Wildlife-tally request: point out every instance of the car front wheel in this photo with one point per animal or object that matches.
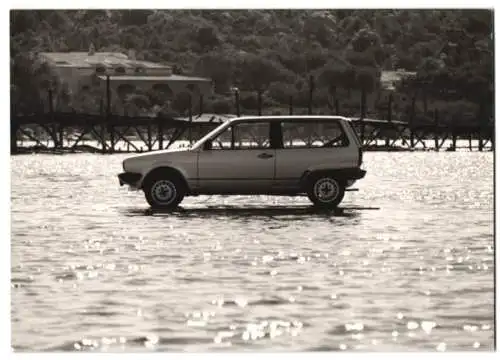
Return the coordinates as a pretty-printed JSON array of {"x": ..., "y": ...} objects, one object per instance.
[
  {"x": 164, "y": 192},
  {"x": 325, "y": 191}
]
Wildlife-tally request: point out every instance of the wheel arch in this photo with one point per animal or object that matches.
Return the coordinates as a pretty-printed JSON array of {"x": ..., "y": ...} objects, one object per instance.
[
  {"x": 342, "y": 175},
  {"x": 164, "y": 171}
]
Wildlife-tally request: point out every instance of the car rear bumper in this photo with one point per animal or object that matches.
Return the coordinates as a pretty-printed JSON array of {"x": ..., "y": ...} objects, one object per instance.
[{"x": 129, "y": 178}]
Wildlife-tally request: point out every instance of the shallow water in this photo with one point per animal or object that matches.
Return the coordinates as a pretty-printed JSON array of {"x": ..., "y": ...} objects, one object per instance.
[{"x": 407, "y": 266}]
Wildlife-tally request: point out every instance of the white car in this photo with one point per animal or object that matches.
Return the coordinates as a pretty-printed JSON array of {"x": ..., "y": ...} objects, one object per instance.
[{"x": 317, "y": 156}]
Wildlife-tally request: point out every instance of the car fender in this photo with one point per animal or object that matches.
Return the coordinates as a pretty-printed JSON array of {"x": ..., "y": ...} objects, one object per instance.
[{"x": 342, "y": 174}]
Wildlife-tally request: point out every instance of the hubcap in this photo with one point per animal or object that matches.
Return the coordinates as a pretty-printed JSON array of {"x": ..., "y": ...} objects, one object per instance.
[
  {"x": 163, "y": 192},
  {"x": 326, "y": 190}
]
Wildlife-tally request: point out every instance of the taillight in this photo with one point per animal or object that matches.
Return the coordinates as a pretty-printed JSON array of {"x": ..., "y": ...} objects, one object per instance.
[{"x": 360, "y": 158}]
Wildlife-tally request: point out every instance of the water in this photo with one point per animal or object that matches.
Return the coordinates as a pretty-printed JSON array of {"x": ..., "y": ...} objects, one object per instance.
[{"x": 408, "y": 266}]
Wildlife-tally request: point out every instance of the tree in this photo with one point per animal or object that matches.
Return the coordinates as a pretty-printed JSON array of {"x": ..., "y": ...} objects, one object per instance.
[
  {"x": 280, "y": 92},
  {"x": 181, "y": 102},
  {"x": 366, "y": 79},
  {"x": 256, "y": 73},
  {"x": 207, "y": 37},
  {"x": 30, "y": 82},
  {"x": 452, "y": 50},
  {"x": 133, "y": 17},
  {"x": 217, "y": 67},
  {"x": 90, "y": 100},
  {"x": 365, "y": 39},
  {"x": 335, "y": 75}
]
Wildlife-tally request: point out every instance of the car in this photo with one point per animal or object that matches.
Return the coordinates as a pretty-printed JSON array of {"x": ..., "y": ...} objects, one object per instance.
[{"x": 315, "y": 156}]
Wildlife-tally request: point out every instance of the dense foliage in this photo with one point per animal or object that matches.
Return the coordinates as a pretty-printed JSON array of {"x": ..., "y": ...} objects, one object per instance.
[{"x": 271, "y": 50}]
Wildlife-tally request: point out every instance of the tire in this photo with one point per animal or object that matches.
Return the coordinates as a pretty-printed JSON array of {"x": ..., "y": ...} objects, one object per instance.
[
  {"x": 164, "y": 192},
  {"x": 325, "y": 191}
]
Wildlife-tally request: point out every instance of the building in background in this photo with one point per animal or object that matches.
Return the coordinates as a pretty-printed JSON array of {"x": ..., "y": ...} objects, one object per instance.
[{"x": 81, "y": 71}]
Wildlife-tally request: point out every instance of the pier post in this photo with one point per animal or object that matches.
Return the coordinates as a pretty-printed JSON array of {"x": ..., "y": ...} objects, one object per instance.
[
  {"x": 13, "y": 130},
  {"x": 190, "y": 132},
  {"x": 160, "y": 132},
  {"x": 412, "y": 117},
  {"x": 51, "y": 114},
  {"x": 492, "y": 137},
  {"x": 103, "y": 137},
  {"x": 259, "y": 101},
  {"x": 389, "y": 119},
  {"x": 363, "y": 115},
  {"x": 60, "y": 126},
  {"x": 60, "y": 139},
  {"x": 201, "y": 104},
  {"x": 111, "y": 132},
  {"x": 480, "y": 124},
  {"x": 105, "y": 120},
  {"x": 13, "y": 135},
  {"x": 237, "y": 102},
  {"x": 311, "y": 91},
  {"x": 436, "y": 129},
  {"x": 109, "y": 125},
  {"x": 150, "y": 140},
  {"x": 290, "y": 105},
  {"x": 453, "y": 136}
]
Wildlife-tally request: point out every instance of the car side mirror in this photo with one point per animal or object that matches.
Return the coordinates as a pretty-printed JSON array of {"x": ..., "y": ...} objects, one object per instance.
[{"x": 207, "y": 145}]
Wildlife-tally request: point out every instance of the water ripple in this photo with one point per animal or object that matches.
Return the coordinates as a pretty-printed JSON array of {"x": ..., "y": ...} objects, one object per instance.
[{"x": 406, "y": 264}]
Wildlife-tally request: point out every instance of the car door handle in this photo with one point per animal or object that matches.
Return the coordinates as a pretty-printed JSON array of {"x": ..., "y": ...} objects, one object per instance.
[{"x": 264, "y": 156}]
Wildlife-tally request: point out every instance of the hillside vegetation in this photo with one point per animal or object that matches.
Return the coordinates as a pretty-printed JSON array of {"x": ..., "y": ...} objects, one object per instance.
[{"x": 275, "y": 51}]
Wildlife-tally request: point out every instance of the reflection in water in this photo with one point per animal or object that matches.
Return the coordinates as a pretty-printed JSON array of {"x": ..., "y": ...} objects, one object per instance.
[
  {"x": 242, "y": 211},
  {"x": 405, "y": 264}
]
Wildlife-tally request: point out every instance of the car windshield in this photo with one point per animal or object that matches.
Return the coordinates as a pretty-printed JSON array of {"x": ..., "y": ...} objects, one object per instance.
[{"x": 209, "y": 135}]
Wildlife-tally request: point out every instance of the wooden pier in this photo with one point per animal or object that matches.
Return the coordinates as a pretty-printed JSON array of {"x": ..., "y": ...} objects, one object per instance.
[
  {"x": 66, "y": 132},
  {"x": 52, "y": 131}
]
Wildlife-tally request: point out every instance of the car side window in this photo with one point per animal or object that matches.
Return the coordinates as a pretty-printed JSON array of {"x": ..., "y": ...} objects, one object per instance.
[
  {"x": 244, "y": 136},
  {"x": 224, "y": 140},
  {"x": 313, "y": 134},
  {"x": 251, "y": 135}
]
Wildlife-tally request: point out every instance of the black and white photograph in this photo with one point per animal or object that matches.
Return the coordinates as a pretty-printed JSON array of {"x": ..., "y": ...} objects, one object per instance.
[{"x": 235, "y": 178}]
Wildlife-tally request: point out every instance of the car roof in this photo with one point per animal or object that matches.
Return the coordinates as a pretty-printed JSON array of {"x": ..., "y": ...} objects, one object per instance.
[{"x": 290, "y": 117}]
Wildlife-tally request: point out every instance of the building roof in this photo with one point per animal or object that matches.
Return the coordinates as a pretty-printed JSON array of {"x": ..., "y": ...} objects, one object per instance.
[
  {"x": 107, "y": 59},
  {"x": 154, "y": 78},
  {"x": 390, "y": 78},
  {"x": 395, "y": 75}
]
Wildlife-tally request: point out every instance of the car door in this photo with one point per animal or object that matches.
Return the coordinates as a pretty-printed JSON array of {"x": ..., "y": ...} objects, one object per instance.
[
  {"x": 240, "y": 161},
  {"x": 310, "y": 144}
]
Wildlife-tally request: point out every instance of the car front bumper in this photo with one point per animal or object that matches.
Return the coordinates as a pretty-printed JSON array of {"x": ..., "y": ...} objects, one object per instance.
[{"x": 129, "y": 178}]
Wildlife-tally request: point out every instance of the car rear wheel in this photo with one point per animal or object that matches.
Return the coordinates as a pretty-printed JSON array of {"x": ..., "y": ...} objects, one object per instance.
[
  {"x": 164, "y": 192},
  {"x": 325, "y": 191}
]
